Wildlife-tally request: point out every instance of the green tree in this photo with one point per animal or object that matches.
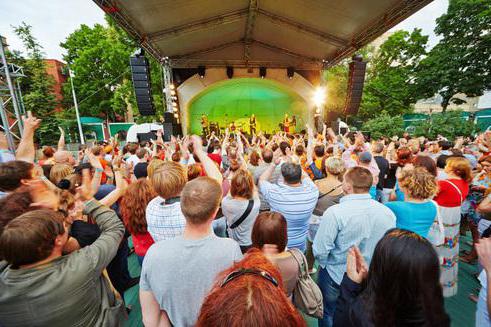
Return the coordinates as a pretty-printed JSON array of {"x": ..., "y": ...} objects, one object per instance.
[
  {"x": 461, "y": 61},
  {"x": 99, "y": 57},
  {"x": 449, "y": 124},
  {"x": 37, "y": 86},
  {"x": 384, "y": 125},
  {"x": 390, "y": 77}
]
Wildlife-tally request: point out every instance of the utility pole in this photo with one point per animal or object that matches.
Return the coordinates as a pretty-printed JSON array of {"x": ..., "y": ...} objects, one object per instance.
[{"x": 80, "y": 131}]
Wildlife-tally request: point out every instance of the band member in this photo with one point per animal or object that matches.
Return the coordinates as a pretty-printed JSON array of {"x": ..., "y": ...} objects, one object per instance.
[
  {"x": 233, "y": 127},
  {"x": 252, "y": 124},
  {"x": 286, "y": 124},
  {"x": 204, "y": 124},
  {"x": 293, "y": 123}
]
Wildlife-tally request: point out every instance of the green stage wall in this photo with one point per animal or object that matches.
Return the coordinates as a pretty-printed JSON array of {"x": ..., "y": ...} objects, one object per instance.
[{"x": 236, "y": 99}]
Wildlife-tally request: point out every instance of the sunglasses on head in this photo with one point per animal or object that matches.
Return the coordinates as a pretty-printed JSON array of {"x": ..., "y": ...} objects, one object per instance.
[{"x": 241, "y": 272}]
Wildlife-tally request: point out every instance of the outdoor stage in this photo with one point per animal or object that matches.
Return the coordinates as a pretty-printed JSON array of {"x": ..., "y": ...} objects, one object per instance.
[{"x": 225, "y": 101}]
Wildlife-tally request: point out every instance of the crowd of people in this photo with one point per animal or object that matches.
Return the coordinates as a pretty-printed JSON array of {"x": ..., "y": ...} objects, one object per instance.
[{"x": 233, "y": 230}]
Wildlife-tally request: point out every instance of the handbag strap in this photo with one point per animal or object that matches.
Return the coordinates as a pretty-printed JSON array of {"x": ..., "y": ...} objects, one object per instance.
[
  {"x": 244, "y": 215},
  {"x": 438, "y": 216},
  {"x": 330, "y": 191},
  {"x": 458, "y": 190},
  {"x": 302, "y": 262}
]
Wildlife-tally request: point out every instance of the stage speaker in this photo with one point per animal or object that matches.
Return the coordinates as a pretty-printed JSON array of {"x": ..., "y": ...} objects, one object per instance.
[
  {"x": 357, "y": 68},
  {"x": 262, "y": 72},
  {"x": 230, "y": 71},
  {"x": 145, "y": 137},
  {"x": 168, "y": 131},
  {"x": 140, "y": 73},
  {"x": 169, "y": 118}
]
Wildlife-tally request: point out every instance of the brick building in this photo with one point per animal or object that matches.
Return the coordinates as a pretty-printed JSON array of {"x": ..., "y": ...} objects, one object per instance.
[{"x": 56, "y": 69}]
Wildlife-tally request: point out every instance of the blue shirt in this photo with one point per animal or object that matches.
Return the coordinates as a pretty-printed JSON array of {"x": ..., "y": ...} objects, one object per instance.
[
  {"x": 416, "y": 217},
  {"x": 356, "y": 220},
  {"x": 296, "y": 204}
]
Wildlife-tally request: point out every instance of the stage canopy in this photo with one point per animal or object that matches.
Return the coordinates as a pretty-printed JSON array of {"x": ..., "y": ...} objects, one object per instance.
[{"x": 303, "y": 34}]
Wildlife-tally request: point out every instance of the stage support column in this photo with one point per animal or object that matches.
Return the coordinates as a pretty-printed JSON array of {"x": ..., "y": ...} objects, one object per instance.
[{"x": 167, "y": 72}]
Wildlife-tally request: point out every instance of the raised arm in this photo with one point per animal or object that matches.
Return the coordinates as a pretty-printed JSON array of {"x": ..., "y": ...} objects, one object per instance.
[
  {"x": 61, "y": 141},
  {"x": 100, "y": 253},
  {"x": 26, "y": 151},
  {"x": 209, "y": 165}
]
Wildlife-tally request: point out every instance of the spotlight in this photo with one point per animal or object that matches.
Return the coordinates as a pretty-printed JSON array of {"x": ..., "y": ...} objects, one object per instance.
[
  {"x": 290, "y": 71},
  {"x": 175, "y": 109},
  {"x": 174, "y": 104},
  {"x": 172, "y": 92},
  {"x": 319, "y": 97},
  {"x": 201, "y": 71},
  {"x": 262, "y": 72},
  {"x": 176, "y": 115},
  {"x": 172, "y": 86},
  {"x": 230, "y": 71}
]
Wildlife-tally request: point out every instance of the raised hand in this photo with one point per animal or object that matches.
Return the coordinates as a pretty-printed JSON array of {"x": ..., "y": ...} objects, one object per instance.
[
  {"x": 197, "y": 143},
  {"x": 356, "y": 267},
  {"x": 85, "y": 191},
  {"x": 31, "y": 123}
]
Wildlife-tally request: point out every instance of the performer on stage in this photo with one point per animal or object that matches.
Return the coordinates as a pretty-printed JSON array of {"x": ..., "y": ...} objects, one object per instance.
[
  {"x": 233, "y": 127},
  {"x": 293, "y": 123},
  {"x": 286, "y": 124},
  {"x": 252, "y": 124},
  {"x": 204, "y": 124}
]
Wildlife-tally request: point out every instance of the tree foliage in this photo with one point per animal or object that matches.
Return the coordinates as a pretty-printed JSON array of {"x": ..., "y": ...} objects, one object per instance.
[
  {"x": 37, "y": 86},
  {"x": 390, "y": 77},
  {"x": 99, "y": 57},
  {"x": 449, "y": 124},
  {"x": 384, "y": 125},
  {"x": 461, "y": 61}
]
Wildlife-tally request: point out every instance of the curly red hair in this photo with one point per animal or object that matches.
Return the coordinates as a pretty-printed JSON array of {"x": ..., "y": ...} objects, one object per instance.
[
  {"x": 133, "y": 205},
  {"x": 249, "y": 300}
]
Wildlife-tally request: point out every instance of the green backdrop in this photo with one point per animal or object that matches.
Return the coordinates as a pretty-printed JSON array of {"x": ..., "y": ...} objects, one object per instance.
[{"x": 236, "y": 99}]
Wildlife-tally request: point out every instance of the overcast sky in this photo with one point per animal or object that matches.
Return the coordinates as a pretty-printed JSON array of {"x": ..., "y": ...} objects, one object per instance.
[{"x": 54, "y": 20}]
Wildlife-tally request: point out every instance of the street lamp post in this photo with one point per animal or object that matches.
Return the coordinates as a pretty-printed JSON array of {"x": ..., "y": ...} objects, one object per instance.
[{"x": 80, "y": 131}]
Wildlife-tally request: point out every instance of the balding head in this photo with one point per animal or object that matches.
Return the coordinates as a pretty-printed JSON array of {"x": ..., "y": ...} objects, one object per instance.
[{"x": 64, "y": 157}]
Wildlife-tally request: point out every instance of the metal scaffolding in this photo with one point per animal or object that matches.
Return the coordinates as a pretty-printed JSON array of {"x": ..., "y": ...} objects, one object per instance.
[{"x": 11, "y": 104}]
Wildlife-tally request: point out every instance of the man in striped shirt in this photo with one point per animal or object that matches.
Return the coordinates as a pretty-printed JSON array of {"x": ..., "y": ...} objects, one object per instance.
[{"x": 295, "y": 199}]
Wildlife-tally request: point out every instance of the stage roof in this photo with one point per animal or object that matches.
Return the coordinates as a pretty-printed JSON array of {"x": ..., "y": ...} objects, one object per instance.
[{"x": 304, "y": 34}]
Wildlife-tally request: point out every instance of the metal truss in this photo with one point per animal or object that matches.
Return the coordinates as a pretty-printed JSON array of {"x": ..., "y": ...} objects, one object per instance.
[{"x": 11, "y": 104}]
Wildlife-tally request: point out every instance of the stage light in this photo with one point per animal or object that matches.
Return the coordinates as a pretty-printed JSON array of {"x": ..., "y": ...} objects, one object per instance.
[
  {"x": 172, "y": 92},
  {"x": 201, "y": 71},
  {"x": 230, "y": 71},
  {"x": 176, "y": 115},
  {"x": 290, "y": 71},
  {"x": 175, "y": 109},
  {"x": 319, "y": 97},
  {"x": 262, "y": 72},
  {"x": 174, "y": 104},
  {"x": 172, "y": 86}
]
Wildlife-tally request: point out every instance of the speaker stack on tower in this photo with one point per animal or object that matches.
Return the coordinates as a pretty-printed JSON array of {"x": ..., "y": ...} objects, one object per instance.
[
  {"x": 357, "y": 68},
  {"x": 140, "y": 74}
]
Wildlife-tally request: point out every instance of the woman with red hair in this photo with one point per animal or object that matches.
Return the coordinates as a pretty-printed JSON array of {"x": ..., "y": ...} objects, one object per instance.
[
  {"x": 250, "y": 293},
  {"x": 133, "y": 206}
]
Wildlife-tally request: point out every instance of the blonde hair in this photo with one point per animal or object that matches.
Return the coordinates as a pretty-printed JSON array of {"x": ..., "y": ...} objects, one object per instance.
[
  {"x": 335, "y": 166},
  {"x": 153, "y": 165},
  {"x": 59, "y": 172},
  {"x": 169, "y": 179},
  {"x": 460, "y": 167},
  {"x": 418, "y": 183}
]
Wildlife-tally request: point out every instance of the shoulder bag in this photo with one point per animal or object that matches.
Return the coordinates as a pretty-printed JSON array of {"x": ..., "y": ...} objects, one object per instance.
[
  {"x": 436, "y": 235},
  {"x": 307, "y": 296}
]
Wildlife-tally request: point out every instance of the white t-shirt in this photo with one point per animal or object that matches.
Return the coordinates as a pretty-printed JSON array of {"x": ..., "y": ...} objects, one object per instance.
[{"x": 132, "y": 159}]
